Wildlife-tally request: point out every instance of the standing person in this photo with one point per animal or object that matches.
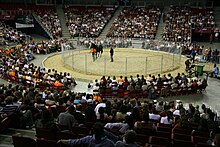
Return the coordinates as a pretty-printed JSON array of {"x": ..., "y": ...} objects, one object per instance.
[
  {"x": 188, "y": 64},
  {"x": 93, "y": 51},
  {"x": 111, "y": 54},
  {"x": 215, "y": 71},
  {"x": 101, "y": 50},
  {"x": 193, "y": 54},
  {"x": 211, "y": 38}
]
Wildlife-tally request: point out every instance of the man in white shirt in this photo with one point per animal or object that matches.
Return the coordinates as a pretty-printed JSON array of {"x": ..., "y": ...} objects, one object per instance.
[
  {"x": 102, "y": 104},
  {"x": 154, "y": 115}
]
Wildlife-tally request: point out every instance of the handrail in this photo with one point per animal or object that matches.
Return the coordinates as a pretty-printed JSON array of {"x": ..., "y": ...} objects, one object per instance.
[{"x": 45, "y": 29}]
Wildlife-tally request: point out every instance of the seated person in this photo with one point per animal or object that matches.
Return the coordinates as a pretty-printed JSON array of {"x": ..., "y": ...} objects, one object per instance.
[
  {"x": 129, "y": 140},
  {"x": 99, "y": 138},
  {"x": 46, "y": 121}
]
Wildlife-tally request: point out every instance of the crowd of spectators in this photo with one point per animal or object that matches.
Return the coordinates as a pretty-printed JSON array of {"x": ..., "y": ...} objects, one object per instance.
[
  {"x": 149, "y": 87},
  {"x": 136, "y": 22},
  {"x": 181, "y": 19},
  {"x": 16, "y": 66},
  {"x": 87, "y": 21},
  {"x": 9, "y": 35},
  {"x": 200, "y": 53},
  {"x": 35, "y": 100},
  {"x": 45, "y": 46},
  {"x": 53, "y": 110},
  {"x": 107, "y": 42},
  {"x": 47, "y": 15},
  {"x": 50, "y": 20}
]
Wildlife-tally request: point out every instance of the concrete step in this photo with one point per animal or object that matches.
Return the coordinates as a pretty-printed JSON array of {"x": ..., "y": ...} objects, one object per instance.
[
  {"x": 61, "y": 15},
  {"x": 109, "y": 24}
]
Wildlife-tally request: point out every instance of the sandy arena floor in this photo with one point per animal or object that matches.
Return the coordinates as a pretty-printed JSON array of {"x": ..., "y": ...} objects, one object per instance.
[{"x": 126, "y": 62}]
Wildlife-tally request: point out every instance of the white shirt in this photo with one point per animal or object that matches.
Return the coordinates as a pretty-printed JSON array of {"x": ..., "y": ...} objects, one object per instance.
[
  {"x": 154, "y": 116},
  {"x": 176, "y": 112},
  {"x": 98, "y": 106},
  {"x": 164, "y": 120},
  {"x": 122, "y": 127}
]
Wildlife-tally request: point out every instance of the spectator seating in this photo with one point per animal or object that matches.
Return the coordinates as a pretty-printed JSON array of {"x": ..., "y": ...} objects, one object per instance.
[
  {"x": 138, "y": 22},
  {"x": 172, "y": 89},
  {"x": 87, "y": 21},
  {"x": 181, "y": 19},
  {"x": 46, "y": 13}
]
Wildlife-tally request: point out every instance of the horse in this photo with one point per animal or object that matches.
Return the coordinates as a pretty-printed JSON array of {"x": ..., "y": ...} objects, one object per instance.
[{"x": 99, "y": 50}]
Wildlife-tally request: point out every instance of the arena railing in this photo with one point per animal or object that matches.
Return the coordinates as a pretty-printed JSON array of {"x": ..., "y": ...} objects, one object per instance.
[{"x": 155, "y": 57}]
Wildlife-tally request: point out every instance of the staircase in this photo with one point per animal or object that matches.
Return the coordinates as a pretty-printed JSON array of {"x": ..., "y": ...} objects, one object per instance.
[
  {"x": 61, "y": 15},
  {"x": 161, "y": 24},
  {"x": 109, "y": 24},
  {"x": 217, "y": 16},
  {"x": 42, "y": 26}
]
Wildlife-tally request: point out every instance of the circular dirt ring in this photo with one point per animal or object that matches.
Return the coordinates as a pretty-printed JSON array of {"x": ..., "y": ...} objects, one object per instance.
[{"x": 126, "y": 62}]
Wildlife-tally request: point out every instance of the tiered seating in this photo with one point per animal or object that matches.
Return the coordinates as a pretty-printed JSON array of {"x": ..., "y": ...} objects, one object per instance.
[
  {"x": 152, "y": 88},
  {"x": 177, "y": 27},
  {"x": 136, "y": 23},
  {"x": 49, "y": 18},
  {"x": 21, "y": 71},
  {"x": 87, "y": 21},
  {"x": 9, "y": 35},
  {"x": 180, "y": 20},
  {"x": 11, "y": 10},
  {"x": 46, "y": 13}
]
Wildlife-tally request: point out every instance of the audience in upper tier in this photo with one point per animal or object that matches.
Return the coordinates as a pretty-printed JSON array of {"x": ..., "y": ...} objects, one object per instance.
[
  {"x": 43, "y": 98},
  {"x": 50, "y": 20},
  {"x": 46, "y": 13},
  {"x": 87, "y": 21},
  {"x": 180, "y": 20},
  {"x": 137, "y": 22}
]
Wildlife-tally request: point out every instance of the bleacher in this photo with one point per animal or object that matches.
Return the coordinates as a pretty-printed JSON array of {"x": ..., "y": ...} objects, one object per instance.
[
  {"x": 87, "y": 21},
  {"x": 38, "y": 84},
  {"x": 137, "y": 22}
]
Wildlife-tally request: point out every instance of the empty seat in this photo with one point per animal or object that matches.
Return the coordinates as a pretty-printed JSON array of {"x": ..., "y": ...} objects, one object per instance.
[
  {"x": 65, "y": 135},
  {"x": 182, "y": 137},
  {"x": 198, "y": 139},
  {"x": 182, "y": 131},
  {"x": 164, "y": 129},
  {"x": 142, "y": 139},
  {"x": 159, "y": 141},
  {"x": 20, "y": 141},
  {"x": 45, "y": 133},
  {"x": 46, "y": 143},
  {"x": 182, "y": 143},
  {"x": 80, "y": 131}
]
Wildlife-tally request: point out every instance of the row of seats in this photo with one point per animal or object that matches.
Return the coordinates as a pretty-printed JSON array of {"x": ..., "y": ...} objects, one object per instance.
[
  {"x": 164, "y": 136},
  {"x": 180, "y": 20},
  {"x": 87, "y": 21},
  {"x": 137, "y": 22},
  {"x": 133, "y": 22}
]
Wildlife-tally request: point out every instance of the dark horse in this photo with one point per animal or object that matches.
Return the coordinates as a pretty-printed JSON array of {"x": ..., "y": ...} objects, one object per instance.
[{"x": 99, "y": 50}]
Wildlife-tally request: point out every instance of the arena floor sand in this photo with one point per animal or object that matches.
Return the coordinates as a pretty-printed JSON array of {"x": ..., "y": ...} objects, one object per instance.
[{"x": 134, "y": 61}]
